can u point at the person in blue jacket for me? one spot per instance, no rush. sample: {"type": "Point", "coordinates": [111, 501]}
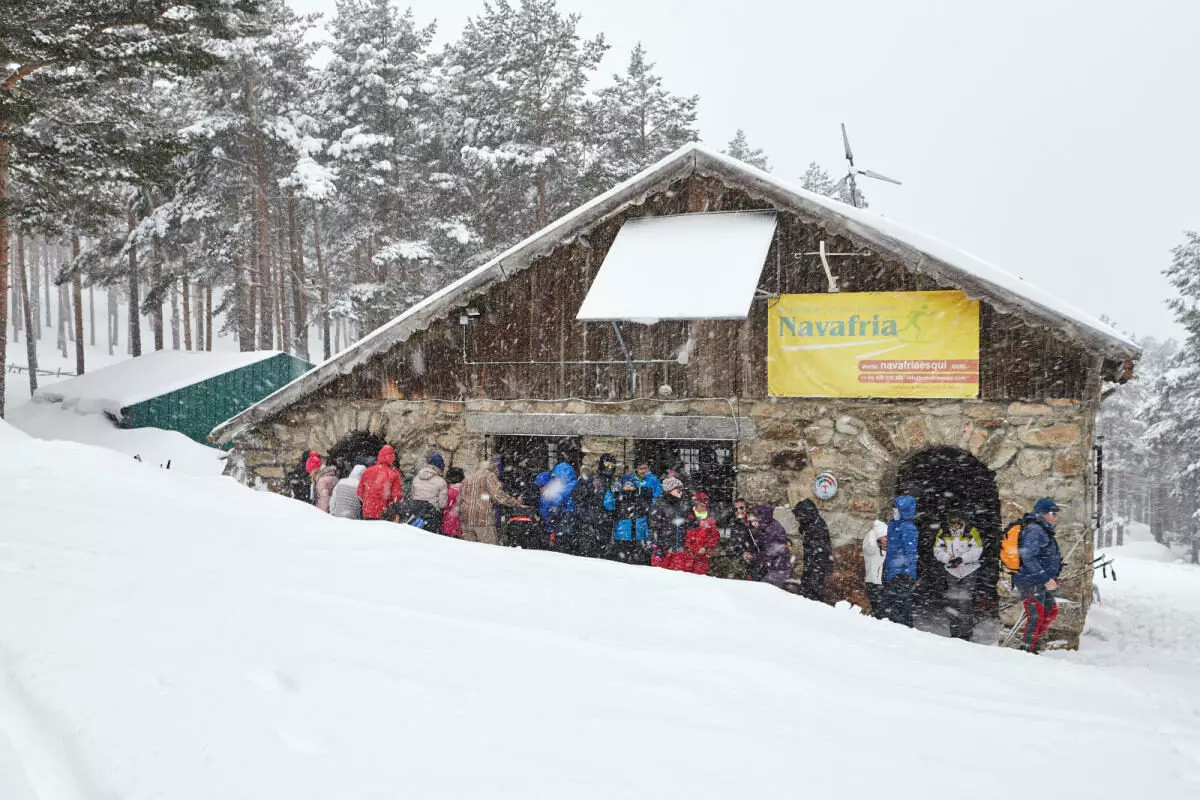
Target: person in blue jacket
{"type": "Point", "coordinates": [631, 533]}
{"type": "Point", "coordinates": [648, 480]}
{"type": "Point", "coordinates": [557, 505]}
{"type": "Point", "coordinates": [900, 565]}
{"type": "Point", "coordinates": [1041, 564]}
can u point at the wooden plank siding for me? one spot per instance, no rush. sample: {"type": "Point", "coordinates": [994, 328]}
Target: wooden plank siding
{"type": "Point", "coordinates": [526, 344]}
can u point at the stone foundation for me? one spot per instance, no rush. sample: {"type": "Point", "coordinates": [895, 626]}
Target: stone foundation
{"type": "Point", "coordinates": [1034, 449]}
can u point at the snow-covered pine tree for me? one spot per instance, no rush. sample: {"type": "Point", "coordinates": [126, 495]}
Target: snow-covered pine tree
{"type": "Point", "coordinates": [375, 99]}
{"type": "Point", "coordinates": [739, 148]}
{"type": "Point", "coordinates": [1175, 404]}
{"type": "Point", "coordinates": [516, 99]}
{"type": "Point", "coordinates": [635, 122]}
{"type": "Point", "coordinates": [56, 51]}
{"type": "Point", "coordinates": [816, 179]}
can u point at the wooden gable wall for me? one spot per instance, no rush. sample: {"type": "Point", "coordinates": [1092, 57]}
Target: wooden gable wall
{"type": "Point", "coordinates": [526, 343]}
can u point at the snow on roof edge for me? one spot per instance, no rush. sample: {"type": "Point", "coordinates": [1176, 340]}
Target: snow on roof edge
{"type": "Point", "coordinates": [685, 160]}
{"type": "Point", "coordinates": [135, 380]}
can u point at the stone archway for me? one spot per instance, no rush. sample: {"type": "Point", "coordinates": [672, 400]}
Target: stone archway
{"type": "Point", "coordinates": [943, 480]}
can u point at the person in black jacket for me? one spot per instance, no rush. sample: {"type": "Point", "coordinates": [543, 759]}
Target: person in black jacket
{"type": "Point", "coordinates": [818, 550]}
{"type": "Point", "coordinates": [736, 554]}
{"type": "Point", "coordinates": [298, 483]}
{"type": "Point", "coordinates": [595, 522]}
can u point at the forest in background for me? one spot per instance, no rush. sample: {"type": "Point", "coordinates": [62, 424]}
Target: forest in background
{"type": "Point", "coordinates": [198, 158]}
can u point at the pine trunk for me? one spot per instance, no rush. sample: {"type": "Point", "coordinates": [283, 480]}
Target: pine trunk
{"type": "Point", "coordinates": [113, 318]}
{"type": "Point", "coordinates": [35, 295]}
{"type": "Point", "coordinates": [187, 314]}
{"type": "Point", "coordinates": [92, 315]}
{"type": "Point", "coordinates": [174, 315]}
{"type": "Point", "coordinates": [208, 316]}
{"type": "Point", "coordinates": [62, 319]}
{"type": "Point", "coordinates": [324, 283]}
{"type": "Point", "coordinates": [135, 302]}
{"type": "Point", "coordinates": [5, 161]}
{"type": "Point", "coordinates": [262, 262]}
{"type": "Point", "coordinates": [31, 320]}
{"type": "Point", "coordinates": [14, 304]}
{"type": "Point", "coordinates": [285, 331]}
{"type": "Point", "coordinates": [245, 305]}
{"type": "Point", "coordinates": [156, 314]}
{"type": "Point", "coordinates": [46, 280]}
{"type": "Point", "coordinates": [77, 287]}
{"type": "Point", "coordinates": [299, 302]}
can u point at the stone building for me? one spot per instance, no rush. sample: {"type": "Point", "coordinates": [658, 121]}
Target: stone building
{"type": "Point", "coordinates": [639, 325]}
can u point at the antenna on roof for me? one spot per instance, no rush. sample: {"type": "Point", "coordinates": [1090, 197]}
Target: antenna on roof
{"type": "Point", "coordinates": [850, 179]}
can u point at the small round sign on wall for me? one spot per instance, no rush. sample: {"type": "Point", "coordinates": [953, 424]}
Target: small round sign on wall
{"type": "Point", "coordinates": [825, 486]}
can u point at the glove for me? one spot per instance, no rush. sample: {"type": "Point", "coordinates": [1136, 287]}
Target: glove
{"type": "Point", "coordinates": [955, 562]}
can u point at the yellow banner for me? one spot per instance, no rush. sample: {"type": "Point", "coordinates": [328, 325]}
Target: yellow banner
{"type": "Point", "coordinates": [873, 344]}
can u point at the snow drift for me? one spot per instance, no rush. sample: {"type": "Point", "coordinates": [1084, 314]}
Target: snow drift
{"type": "Point", "coordinates": [171, 636]}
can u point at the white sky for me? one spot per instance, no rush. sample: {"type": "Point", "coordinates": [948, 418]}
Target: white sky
{"type": "Point", "coordinates": [1053, 138]}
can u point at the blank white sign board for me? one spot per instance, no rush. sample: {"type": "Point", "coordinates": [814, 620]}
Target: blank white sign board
{"type": "Point", "coordinates": [689, 266]}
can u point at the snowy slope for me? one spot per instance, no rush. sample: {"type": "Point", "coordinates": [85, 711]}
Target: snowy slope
{"type": "Point", "coordinates": [167, 636]}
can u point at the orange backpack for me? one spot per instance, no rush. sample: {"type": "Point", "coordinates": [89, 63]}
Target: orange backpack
{"type": "Point", "coordinates": [1010, 546]}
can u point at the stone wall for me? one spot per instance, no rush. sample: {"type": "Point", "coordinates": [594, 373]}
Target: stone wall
{"type": "Point", "coordinates": [1035, 449]}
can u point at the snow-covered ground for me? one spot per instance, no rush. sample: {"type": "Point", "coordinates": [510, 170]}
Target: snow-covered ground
{"type": "Point", "coordinates": [52, 421]}
{"type": "Point", "coordinates": [173, 636]}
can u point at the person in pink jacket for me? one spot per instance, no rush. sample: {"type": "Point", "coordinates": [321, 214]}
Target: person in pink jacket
{"type": "Point", "coordinates": [324, 479]}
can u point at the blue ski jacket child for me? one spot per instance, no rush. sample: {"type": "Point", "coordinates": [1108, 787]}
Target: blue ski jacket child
{"type": "Point", "coordinates": [902, 540]}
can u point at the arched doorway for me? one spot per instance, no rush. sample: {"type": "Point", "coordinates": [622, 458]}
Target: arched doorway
{"type": "Point", "coordinates": [945, 480]}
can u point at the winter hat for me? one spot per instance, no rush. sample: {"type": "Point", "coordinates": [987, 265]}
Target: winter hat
{"type": "Point", "coordinates": [1045, 506]}
{"type": "Point", "coordinates": [700, 499]}
{"type": "Point", "coordinates": [313, 463]}
{"type": "Point", "coordinates": [436, 460]}
{"type": "Point", "coordinates": [671, 484]}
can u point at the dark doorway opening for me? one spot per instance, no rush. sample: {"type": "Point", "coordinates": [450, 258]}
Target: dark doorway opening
{"type": "Point", "coordinates": [706, 466]}
{"type": "Point", "coordinates": [946, 480]}
{"type": "Point", "coordinates": [523, 457]}
{"type": "Point", "coordinates": [356, 447]}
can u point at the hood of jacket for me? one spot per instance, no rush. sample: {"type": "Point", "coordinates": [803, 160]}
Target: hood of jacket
{"type": "Point", "coordinates": [428, 473]}
{"type": "Point", "coordinates": [357, 473]}
{"type": "Point", "coordinates": [387, 456]}
{"type": "Point", "coordinates": [907, 506]}
{"type": "Point", "coordinates": [806, 512]}
{"type": "Point", "coordinates": [324, 471]}
{"type": "Point", "coordinates": [765, 514]}
{"type": "Point", "coordinates": [564, 472]}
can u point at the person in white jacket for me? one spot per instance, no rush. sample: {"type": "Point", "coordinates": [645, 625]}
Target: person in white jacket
{"type": "Point", "coordinates": [959, 548]}
{"type": "Point", "coordinates": [429, 485]}
{"type": "Point", "coordinates": [874, 552]}
{"type": "Point", "coordinates": [345, 502]}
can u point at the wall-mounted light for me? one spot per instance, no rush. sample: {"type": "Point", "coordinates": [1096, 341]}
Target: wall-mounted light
{"type": "Point", "coordinates": [472, 312]}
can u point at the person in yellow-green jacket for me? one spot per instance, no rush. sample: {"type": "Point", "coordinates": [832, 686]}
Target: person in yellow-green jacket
{"type": "Point", "coordinates": [959, 548]}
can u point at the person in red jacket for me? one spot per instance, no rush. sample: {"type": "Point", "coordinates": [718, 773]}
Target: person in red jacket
{"type": "Point", "coordinates": [704, 537]}
{"type": "Point", "coordinates": [381, 485]}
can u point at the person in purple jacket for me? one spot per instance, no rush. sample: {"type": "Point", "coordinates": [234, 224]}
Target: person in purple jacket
{"type": "Point", "coordinates": [773, 560]}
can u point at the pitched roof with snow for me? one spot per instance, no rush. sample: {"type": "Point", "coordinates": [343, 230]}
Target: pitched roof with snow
{"type": "Point", "coordinates": [136, 380]}
{"type": "Point", "coordinates": [916, 251]}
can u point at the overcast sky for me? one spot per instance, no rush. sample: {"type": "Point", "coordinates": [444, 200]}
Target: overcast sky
{"type": "Point", "coordinates": [1055, 139]}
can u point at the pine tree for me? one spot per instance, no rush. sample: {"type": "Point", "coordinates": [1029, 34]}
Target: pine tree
{"type": "Point", "coordinates": [517, 89]}
{"type": "Point", "coordinates": [1175, 403]}
{"type": "Point", "coordinates": [636, 122]}
{"type": "Point", "coordinates": [59, 51]}
{"type": "Point", "coordinates": [739, 148]}
{"type": "Point", "coordinates": [816, 179]}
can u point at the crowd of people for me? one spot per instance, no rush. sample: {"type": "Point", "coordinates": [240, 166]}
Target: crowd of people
{"type": "Point", "coordinates": [633, 516]}
{"type": "Point", "coordinates": [628, 515]}
{"type": "Point", "coordinates": [890, 555]}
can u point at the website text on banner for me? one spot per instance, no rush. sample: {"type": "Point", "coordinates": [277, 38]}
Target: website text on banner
{"type": "Point", "coordinates": [873, 344]}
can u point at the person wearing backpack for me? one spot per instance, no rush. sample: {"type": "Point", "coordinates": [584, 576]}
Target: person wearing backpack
{"type": "Point", "coordinates": [1037, 577]}
{"type": "Point", "coordinates": [959, 549]}
{"type": "Point", "coordinates": [900, 561]}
